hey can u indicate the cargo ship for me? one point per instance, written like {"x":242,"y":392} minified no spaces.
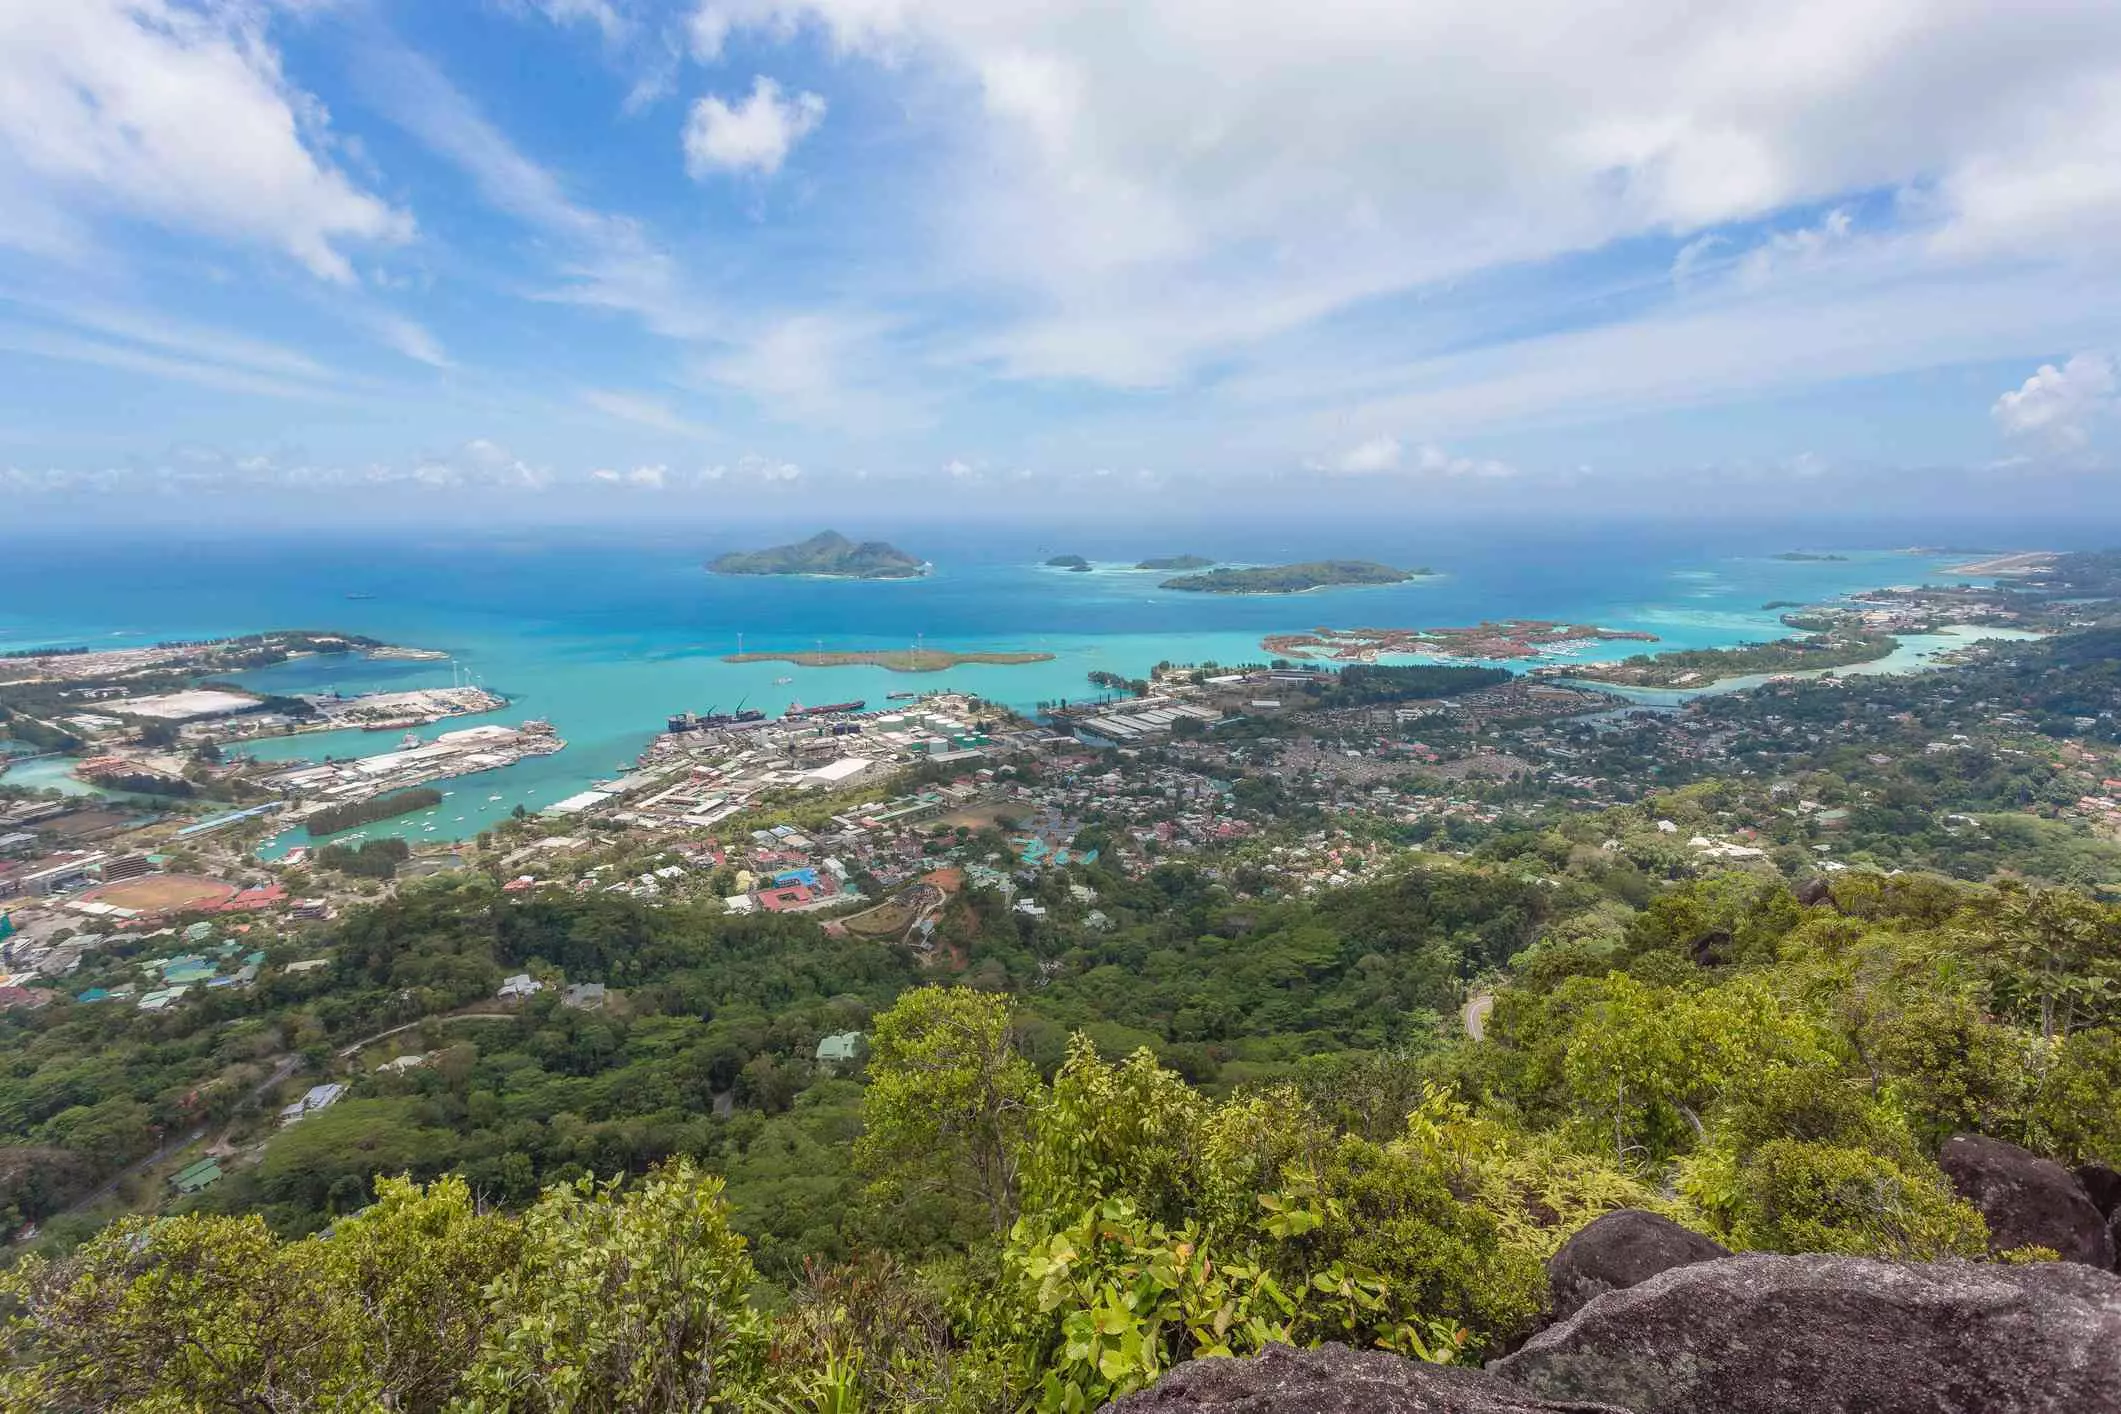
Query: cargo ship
{"x":710,"y":719}
{"x":797,"y":710}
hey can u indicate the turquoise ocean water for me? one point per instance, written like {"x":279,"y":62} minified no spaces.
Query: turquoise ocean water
{"x":607,"y":633}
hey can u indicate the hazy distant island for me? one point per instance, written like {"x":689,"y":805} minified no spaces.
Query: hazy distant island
{"x":1074,"y":564}
{"x":1806,"y":557}
{"x":826,"y":553}
{"x":1292,"y":579}
{"x":898,"y":660}
{"x":1175,"y":562}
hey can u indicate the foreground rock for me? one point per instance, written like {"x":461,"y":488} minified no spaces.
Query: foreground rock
{"x":1619,"y":1250}
{"x":1764,"y":1334}
{"x":1336,"y":1380}
{"x":2028,"y":1201}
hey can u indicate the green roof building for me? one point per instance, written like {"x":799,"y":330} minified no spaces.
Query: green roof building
{"x":842,"y":1049}
{"x":203,"y":1174}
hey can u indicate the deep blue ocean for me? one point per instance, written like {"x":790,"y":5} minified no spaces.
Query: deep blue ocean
{"x":607,"y":632}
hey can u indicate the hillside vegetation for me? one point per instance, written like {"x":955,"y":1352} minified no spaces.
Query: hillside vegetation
{"x":1220,"y":1125}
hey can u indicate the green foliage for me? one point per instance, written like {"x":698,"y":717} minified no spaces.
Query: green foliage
{"x":215,"y":1313}
{"x":371,"y":859}
{"x":948,"y":1100}
{"x":597,"y":1300}
{"x":334,"y":818}
{"x":622,"y":1302}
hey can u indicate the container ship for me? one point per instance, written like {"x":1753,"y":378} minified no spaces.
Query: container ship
{"x":797,"y":711}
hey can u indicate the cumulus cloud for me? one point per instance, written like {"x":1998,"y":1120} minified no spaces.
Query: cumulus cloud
{"x":1369,"y":457}
{"x":1124,"y":161}
{"x":2059,"y":407}
{"x":179,"y":115}
{"x":1385,"y":455}
{"x":753,"y":134}
{"x":753,"y":467}
{"x":478,"y":465}
{"x":645,"y":478}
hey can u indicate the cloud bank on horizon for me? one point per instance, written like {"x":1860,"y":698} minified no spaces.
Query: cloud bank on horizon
{"x":716,"y":249}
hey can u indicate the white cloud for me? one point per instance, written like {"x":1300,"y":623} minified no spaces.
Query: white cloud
{"x":753,"y":467}
{"x":600,"y":15}
{"x":171,"y":365}
{"x":179,"y":115}
{"x":642,"y":410}
{"x":604,"y":261}
{"x":646,"y":478}
{"x":1166,"y":181}
{"x":1385,"y":454}
{"x":756,"y":134}
{"x":407,"y":336}
{"x":477,"y":465}
{"x":1378,"y":454}
{"x":1433,"y":460}
{"x":2060,"y":406}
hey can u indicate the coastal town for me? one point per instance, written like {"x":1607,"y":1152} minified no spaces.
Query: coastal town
{"x":937,"y":821}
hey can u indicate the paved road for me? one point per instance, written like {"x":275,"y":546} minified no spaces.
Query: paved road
{"x":1475,"y":1014}
{"x":286,"y":1066}
{"x":346,"y":1052}
{"x":280,"y":1072}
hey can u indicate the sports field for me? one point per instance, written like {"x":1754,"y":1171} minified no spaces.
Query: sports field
{"x":163,"y":893}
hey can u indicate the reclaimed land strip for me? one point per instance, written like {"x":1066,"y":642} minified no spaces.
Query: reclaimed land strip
{"x":2021,"y":562}
{"x":1493,"y":638}
{"x":898,"y":660}
{"x":1701,"y":667}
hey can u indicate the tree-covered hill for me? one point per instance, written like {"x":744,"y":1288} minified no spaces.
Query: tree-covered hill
{"x":1264,"y":1121}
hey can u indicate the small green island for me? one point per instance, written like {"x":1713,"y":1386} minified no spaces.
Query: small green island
{"x":1074,"y":564}
{"x":828,"y":553}
{"x":1292,"y":579}
{"x":897,"y":660}
{"x":1176,"y":562}
{"x":1806,"y":557}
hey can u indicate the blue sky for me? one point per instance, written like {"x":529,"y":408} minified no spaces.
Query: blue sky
{"x":697,"y":258}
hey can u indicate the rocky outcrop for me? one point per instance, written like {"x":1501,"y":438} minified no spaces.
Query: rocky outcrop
{"x":1336,"y":1380}
{"x":1619,"y":1250}
{"x":1766,"y":1334}
{"x":2100,"y":1184}
{"x":2028,"y":1201}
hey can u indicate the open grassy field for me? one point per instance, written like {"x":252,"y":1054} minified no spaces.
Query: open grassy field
{"x":159,"y":893}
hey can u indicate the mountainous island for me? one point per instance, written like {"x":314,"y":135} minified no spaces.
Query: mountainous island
{"x":826,"y":553}
{"x":1074,"y":564}
{"x":1175,"y":562}
{"x":1807,"y":557}
{"x":1292,"y":579}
